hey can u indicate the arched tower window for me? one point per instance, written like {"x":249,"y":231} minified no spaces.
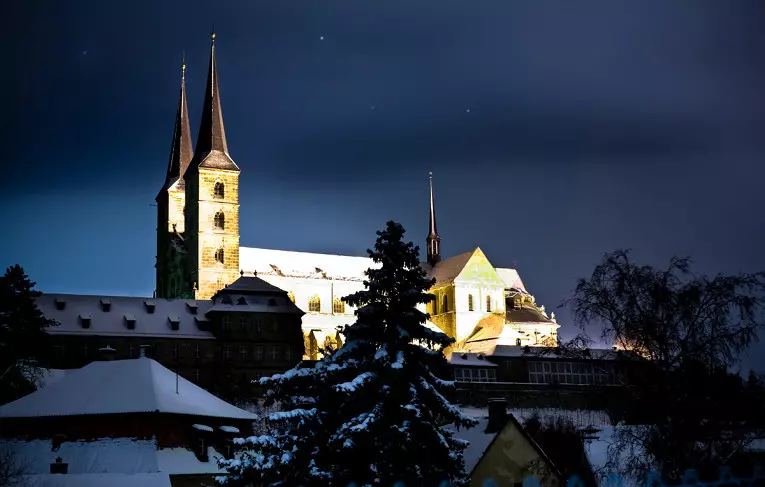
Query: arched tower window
{"x":470,"y":302}
{"x":338,"y":306}
{"x":220,"y":256}
{"x":445,"y":304}
{"x":220,"y":221}
{"x":488,"y":304}
{"x":219,"y":190}
{"x":314,"y":304}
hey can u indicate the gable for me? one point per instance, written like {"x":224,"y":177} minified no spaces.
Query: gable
{"x":478,"y":270}
{"x":512,"y":456}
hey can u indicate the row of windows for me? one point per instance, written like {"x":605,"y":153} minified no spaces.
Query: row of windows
{"x":245,"y":323}
{"x":572,"y":373}
{"x":471,"y":304}
{"x":314,"y":304}
{"x":474,"y":375}
{"x":243,"y":352}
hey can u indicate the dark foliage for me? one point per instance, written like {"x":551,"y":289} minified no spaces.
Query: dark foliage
{"x":24,"y":344}
{"x":372,"y":412}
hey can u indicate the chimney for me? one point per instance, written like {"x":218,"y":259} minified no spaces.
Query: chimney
{"x":59,"y":466}
{"x":142,"y":350}
{"x":107,"y":353}
{"x":497,"y":415}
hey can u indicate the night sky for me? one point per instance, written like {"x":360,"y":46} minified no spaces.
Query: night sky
{"x":556,"y":130}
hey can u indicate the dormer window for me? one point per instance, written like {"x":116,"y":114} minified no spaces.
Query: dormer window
{"x":241,"y":301}
{"x":150,"y":305}
{"x":193,"y":307}
{"x":85,"y":320}
{"x":271,"y":302}
{"x":106,"y":304}
{"x":175,"y":322}
{"x":60,"y":303}
{"x":220,"y":221}
{"x":130,"y":321}
{"x":226,"y":299}
{"x":220,"y":256}
{"x":219,"y":190}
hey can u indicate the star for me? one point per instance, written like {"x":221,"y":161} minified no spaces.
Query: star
{"x":321,"y":38}
{"x":467,"y":110}
{"x":84,"y":52}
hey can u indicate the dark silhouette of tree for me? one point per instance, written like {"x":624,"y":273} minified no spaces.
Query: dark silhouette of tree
{"x":25,"y":346}
{"x":684,"y":331}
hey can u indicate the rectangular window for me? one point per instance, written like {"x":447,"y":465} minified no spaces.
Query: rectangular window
{"x":257,"y":324}
{"x":482,"y":374}
{"x":274,"y":354}
{"x":202,"y":448}
{"x":457,"y":374}
{"x":491,"y":375}
{"x":175,"y":350}
{"x":197,"y":352}
{"x":227,"y":352}
{"x":243,"y":353}
{"x":226,"y":323}
{"x":288,"y":353}
{"x":196,"y":375}
{"x":258,"y":353}
{"x":243,"y":323}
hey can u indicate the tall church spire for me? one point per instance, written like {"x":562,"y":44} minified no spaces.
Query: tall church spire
{"x":212,"y":136}
{"x":434,"y":241}
{"x":181,"y":148}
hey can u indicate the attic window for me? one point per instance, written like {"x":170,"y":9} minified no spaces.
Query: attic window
{"x":175,"y":322}
{"x":272,"y":302}
{"x":130,"y":321}
{"x":150,"y":305}
{"x":106,"y":304}
{"x":193,"y":307}
{"x":241,"y":301}
{"x":226,"y":299}
{"x":85,"y":320}
{"x":60,"y":303}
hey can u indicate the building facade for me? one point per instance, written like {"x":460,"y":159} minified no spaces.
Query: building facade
{"x":250,"y":330}
{"x":198,"y":251}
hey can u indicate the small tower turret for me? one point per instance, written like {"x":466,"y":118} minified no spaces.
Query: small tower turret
{"x":433,"y":240}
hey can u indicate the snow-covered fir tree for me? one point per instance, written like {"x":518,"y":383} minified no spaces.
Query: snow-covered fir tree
{"x":373,"y":412}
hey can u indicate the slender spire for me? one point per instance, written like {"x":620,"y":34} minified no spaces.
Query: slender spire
{"x":181,"y":148}
{"x":434,"y":241}
{"x":212,"y":136}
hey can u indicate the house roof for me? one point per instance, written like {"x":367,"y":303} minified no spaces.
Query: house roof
{"x":252,"y":285}
{"x":526,"y":314}
{"x":511,"y":278}
{"x":448,"y":269}
{"x":116,"y":462}
{"x":151,"y":316}
{"x":121,"y":386}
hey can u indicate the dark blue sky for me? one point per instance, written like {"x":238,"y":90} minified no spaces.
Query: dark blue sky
{"x":556,"y":131}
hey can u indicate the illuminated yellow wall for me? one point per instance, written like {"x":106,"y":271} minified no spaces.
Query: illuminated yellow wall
{"x":509,"y":459}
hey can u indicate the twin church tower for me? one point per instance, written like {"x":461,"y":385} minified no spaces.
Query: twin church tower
{"x":198,"y":205}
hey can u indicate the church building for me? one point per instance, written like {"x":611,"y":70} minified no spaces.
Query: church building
{"x":199,"y":253}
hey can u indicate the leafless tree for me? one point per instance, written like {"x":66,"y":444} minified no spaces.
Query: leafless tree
{"x":14,"y":470}
{"x":688,"y":330}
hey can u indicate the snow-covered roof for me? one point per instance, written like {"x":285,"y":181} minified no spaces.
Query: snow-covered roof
{"x":256,"y":304}
{"x":115,"y":462}
{"x":303,"y":264}
{"x":447,"y":270}
{"x":150,"y":317}
{"x":470,"y":360}
{"x":98,"y":480}
{"x":479,"y":442}
{"x":121,"y":386}
{"x":511,"y":278}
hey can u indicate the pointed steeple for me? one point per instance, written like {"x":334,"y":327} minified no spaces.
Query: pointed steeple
{"x":212,"y":135}
{"x":434,"y":241}
{"x":181,"y":148}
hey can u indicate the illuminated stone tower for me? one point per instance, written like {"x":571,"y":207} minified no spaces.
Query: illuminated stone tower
{"x":433,"y":240}
{"x":171,"y":269}
{"x":212,"y":200}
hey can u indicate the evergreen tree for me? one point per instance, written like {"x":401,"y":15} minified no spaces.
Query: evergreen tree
{"x":372,"y":412}
{"x":23,"y":340}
